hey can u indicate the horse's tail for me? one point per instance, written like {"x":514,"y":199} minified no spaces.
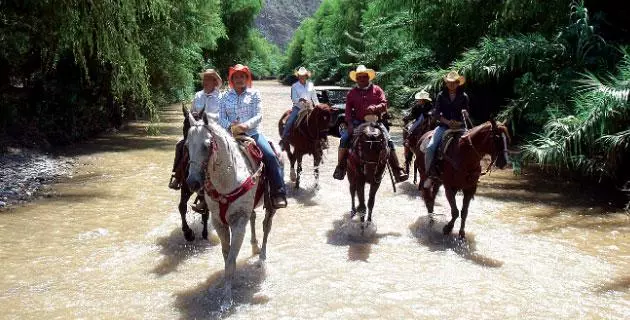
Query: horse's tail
{"x":282,"y":121}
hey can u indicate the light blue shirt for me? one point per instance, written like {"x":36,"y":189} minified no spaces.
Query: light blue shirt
{"x":208,"y":102}
{"x":244,"y":108}
{"x":303,"y":91}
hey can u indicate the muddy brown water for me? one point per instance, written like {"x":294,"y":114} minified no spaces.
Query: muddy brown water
{"x":109,"y":245}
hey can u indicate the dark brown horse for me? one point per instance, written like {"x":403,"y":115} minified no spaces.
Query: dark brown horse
{"x":461,"y":168}
{"x":185,"y":192}
{"x":366,"y":164}
{"x":307,"y":136}
{"x":411,"y":140}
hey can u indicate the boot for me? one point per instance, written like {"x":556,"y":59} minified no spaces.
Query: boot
{"x":340,"y":170}
{"x":174,"y":183}
{"x":399,"y":173}
{"x":199,"y":205}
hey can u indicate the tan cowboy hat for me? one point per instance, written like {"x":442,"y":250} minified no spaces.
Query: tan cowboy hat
{"x":423,"y":95}
{"x":212,"y":73}
{"x":453,"y":76}
{"x":362,"y":69}
{"x":302,"y":72}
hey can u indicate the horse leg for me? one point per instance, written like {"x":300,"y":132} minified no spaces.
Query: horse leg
{"x":361,"y":195}
{"x":468,"y":195}
{"x":373,"y":188}
{"x":317,"y":159}
{"x":450,"y":196}
{"x":415,"y":172}
{"x":184,"y":196}
{"x":238,"y":233}
{"x":267,"y":222}
{"x":204,"y":222}
{"x":299,"y":170}
{"x":353,"y":192}
{"x":223,"y":231}
{"x":254,"y":240}
{"x":291,"y":156}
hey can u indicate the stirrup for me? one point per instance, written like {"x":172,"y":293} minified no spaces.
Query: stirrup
{"x":340,"y":172}
{"x":199,"y":207}
{"x":173,"y":183}
{"x":279,"y":201}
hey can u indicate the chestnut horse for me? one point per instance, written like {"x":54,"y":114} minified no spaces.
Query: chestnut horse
{"x":461,"y":169}
{"x":366,"y":163}
{"x":307,"y":137}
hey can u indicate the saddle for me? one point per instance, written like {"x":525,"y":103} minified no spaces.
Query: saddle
{"x":450,"y":136}
{"x":368,"y":136}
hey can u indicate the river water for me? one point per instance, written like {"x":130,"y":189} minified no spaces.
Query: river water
{"x":109,"y":245}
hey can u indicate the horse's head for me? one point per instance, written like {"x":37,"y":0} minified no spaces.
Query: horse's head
{"x":371,"y":149}
{"x":493,"y":139}
{"x":199,"y":144}
{"x":320,"y":118}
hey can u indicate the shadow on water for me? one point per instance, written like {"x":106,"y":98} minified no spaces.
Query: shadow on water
{"x":620,"y":284}
{"x":304,"y":196}
{"x":430,"y":235}
{"x":346,"y":232}
{"x":203,"y":301}
{"x":175,"y":250}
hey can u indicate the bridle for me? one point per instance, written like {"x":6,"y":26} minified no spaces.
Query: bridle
{"x":497,"y":137}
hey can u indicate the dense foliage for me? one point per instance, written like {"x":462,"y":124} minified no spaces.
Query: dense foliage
{"x":69,"y":69}
{"x":558,"y":71}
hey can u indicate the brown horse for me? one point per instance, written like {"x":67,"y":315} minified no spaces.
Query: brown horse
{"x":411,"y":140}
{"x":308,"y":136}
{"x":461,"y":168}
{"x":366,"y":163}
{"x":185,"y":192}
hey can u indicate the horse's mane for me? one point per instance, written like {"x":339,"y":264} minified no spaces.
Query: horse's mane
{"x":487,"y":126}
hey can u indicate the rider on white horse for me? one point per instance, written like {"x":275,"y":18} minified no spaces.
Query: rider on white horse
{"x":206,"y":100}
{"x":240,"y":112}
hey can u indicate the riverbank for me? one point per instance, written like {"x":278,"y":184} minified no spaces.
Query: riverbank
{"x":25,"y":174}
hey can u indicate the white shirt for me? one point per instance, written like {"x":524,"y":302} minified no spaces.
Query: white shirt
{"x":306,"y":92}
{"x":208,"y":102}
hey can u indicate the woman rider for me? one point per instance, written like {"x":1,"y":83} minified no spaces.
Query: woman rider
{"x":451,"y":107}
{"x":240,"y":112}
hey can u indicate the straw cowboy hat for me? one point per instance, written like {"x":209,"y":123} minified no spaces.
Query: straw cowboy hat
{"x":240,"y":68}
{"x":423,"y":95}
{"x":453,"y":76}
{"x":302,"y":72}
{"x":362,"y":69}
{"x":212,"y":73}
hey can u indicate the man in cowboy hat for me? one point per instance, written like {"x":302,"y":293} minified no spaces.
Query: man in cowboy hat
{"x":302,"y":94}
{"x":241,"y":112}
{"x":206,"y":100}
{"x":365,"y":99}
{"x":450,"y":109}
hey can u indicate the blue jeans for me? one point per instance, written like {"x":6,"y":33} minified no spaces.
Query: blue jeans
{"x":272,"y":165}
{"x":416,"y":123}
{"x":433,"y":146}
{"x":292,"y":117}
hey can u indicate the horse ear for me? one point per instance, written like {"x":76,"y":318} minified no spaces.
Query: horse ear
{"x":205,"y":118}
{"x":191,"y":119}
{"x":184,"y":110}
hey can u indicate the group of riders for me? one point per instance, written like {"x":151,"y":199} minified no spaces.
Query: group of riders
{"x":239,"y":110}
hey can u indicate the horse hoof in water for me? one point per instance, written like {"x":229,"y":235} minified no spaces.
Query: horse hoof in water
{"x":255,"y":249}
{"x":226,"y":304}
{"x":447,"y":229}
{"x":462,"y":234}
{"x":189,"y":235}
{"x":292,"y":175}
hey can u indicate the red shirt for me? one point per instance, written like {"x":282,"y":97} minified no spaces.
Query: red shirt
{"x":361,"y":102}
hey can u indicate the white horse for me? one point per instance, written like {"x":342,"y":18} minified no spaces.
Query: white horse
{"x":234,"y":181}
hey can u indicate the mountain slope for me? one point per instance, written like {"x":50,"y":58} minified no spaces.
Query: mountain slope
{"x":279,"y":18}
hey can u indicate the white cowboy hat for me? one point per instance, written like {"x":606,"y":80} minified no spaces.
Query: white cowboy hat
{"x":362,"y":69}
{"x":423,"y":95}
{"x":453,"y":76}
{"x":302,"y":72}
{"x":212,"y":73}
